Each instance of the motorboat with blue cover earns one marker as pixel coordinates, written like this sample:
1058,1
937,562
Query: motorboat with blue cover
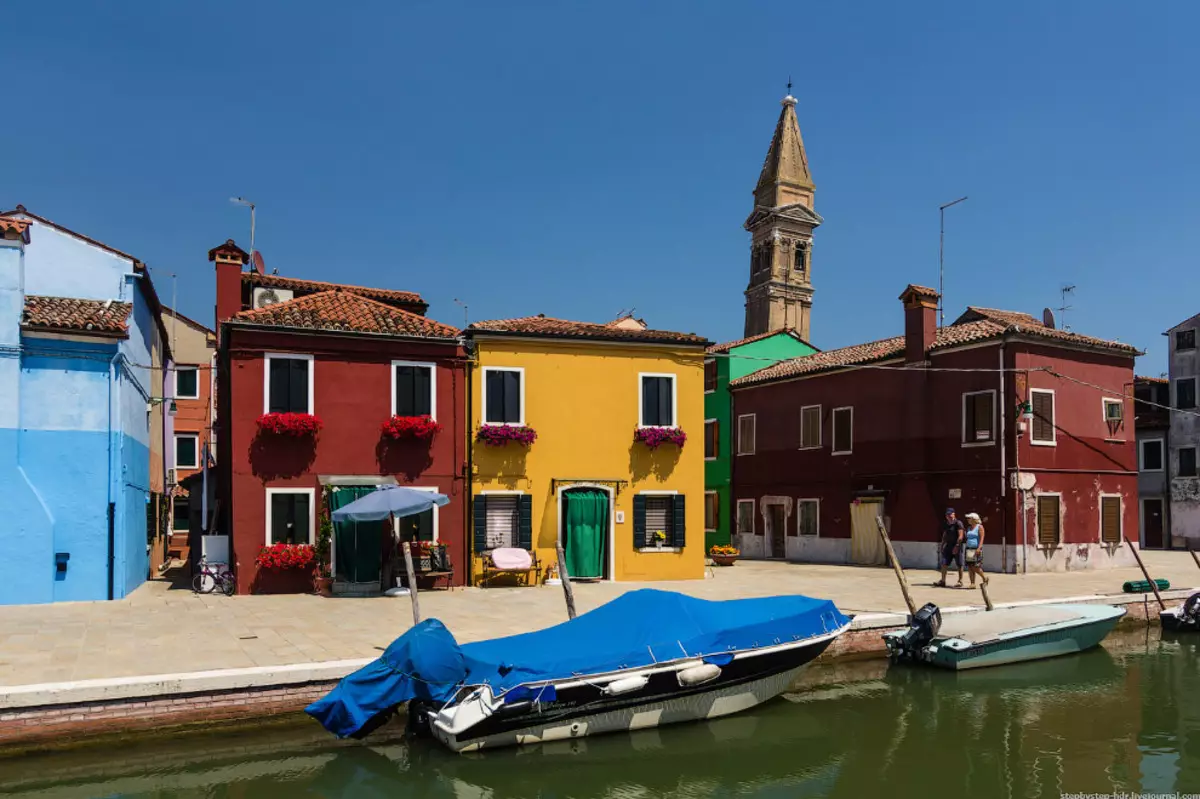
645,659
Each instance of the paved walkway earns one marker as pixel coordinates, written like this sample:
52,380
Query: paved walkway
163,630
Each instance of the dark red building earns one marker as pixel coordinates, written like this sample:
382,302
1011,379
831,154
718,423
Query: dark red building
993,414
352,358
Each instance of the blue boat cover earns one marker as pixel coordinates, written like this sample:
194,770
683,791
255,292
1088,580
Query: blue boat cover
638,629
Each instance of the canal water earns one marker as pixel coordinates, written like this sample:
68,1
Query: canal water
1122,719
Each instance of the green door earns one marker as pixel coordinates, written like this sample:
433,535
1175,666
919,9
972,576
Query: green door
585,532
357,546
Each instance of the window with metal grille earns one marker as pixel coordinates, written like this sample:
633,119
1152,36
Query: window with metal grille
745,444
745,516
1043,416
1110,520
1185,392
843,431
808,517
712,446
810,427
979,417
659,519
1185,339
288,385
710,375
711,508
1049,527
414,390
502,520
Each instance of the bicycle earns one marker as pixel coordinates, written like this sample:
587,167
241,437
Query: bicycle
213,576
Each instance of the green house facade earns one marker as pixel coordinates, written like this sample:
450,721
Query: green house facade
728,362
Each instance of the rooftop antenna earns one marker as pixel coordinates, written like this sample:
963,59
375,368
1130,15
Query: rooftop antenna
250,205
457,301
1065,291
942,259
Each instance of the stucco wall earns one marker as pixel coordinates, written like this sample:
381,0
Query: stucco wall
1185,432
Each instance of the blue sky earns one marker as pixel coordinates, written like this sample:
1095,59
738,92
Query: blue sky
579,159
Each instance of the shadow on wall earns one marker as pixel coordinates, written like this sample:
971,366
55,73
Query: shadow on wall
659,462
505,464
273,456
408,457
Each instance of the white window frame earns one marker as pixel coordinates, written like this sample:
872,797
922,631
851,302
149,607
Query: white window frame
753,417
820,432
186,501
970,442
800,501
1162,454
432,367
1105,402
718,443
833,430
717,519
195,449
707,361
483,394
436,509
1037,533
648,550
1100,515
1177,459
312,511
271,356
738,515
188,368
503,492
674,401
1053,442
1175,393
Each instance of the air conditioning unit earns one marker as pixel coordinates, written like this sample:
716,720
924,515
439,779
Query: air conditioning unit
264,297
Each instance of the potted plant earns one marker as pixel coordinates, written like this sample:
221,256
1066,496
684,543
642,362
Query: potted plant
497,435
421,428
298,425
724,555
323,579
655,437
660,538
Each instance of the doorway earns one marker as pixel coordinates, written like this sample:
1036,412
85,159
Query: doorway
866,548
776,529
1152,523
585,514
357,546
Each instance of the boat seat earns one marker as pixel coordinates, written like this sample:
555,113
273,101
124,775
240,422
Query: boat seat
984,626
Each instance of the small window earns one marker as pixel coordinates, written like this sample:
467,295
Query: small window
712,447
1043,416
181,515
711,509
503,396
979,417
503,522
187,454
1185,339
412,389
187,382
1185,392
658,401
843,431
289,384
745,516
290,518
1152,455
1049,532
745,443
710,376
801,262
1187,462
417,527
810,427
1114,410
808,517
1110,520
660,521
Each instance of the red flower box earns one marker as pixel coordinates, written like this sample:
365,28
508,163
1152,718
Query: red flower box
286,556
289,424
497,435
421,427
654,437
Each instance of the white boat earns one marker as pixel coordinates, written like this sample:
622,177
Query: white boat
1183,618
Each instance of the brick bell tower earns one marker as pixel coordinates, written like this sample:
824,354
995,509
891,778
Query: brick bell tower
781,226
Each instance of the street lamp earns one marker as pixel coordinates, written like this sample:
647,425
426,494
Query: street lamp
172,408
941,259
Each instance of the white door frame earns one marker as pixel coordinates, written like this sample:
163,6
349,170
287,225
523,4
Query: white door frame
560,522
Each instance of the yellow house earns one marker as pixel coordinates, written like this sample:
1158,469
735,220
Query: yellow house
623,509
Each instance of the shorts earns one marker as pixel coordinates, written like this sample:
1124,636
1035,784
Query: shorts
977,560
950,557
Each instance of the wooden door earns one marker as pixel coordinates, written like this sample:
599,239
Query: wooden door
866,548
778,526
1152,523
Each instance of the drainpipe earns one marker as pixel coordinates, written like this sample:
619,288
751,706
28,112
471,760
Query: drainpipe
112,508
468,518
1003,444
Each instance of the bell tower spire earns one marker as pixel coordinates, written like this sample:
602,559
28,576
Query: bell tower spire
781,225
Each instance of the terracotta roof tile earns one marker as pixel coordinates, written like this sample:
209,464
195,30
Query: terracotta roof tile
66,314
1147,379
1034,327
729,345
345,311
562,328
920,291
18,226
387,296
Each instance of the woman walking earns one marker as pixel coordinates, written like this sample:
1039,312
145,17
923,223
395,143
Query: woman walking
973,540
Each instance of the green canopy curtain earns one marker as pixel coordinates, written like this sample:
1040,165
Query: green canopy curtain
586,535
356,545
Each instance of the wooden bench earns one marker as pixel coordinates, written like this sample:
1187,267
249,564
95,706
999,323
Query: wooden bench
492,571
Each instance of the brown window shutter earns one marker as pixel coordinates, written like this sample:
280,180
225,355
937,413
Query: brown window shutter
841,430
810,427
1110,520
1048,521
1043,416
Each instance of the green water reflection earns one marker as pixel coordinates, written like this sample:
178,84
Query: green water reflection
1121,719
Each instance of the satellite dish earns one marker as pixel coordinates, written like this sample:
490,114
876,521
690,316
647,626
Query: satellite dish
258,264
1048,318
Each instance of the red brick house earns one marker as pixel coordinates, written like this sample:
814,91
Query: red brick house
352,357
1029,426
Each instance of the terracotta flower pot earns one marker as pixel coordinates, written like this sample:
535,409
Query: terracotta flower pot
324,585
724,560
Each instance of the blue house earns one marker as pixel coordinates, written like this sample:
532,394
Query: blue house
83,425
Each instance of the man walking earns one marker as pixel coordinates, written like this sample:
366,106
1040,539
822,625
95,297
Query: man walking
951,547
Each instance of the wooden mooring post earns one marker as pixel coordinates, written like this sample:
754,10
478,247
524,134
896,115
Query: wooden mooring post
1192,550
568,592
887,544
412,583
1153,585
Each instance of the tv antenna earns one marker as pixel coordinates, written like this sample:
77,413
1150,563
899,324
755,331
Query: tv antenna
250,205
457,301
1066,291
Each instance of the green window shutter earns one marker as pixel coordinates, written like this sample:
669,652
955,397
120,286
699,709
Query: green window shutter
525,523
479,507
678,519
639,521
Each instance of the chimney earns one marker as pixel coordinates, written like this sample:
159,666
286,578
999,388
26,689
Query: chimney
920,322
229,259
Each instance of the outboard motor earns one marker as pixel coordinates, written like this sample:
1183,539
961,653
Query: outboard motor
1185,617
922,627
